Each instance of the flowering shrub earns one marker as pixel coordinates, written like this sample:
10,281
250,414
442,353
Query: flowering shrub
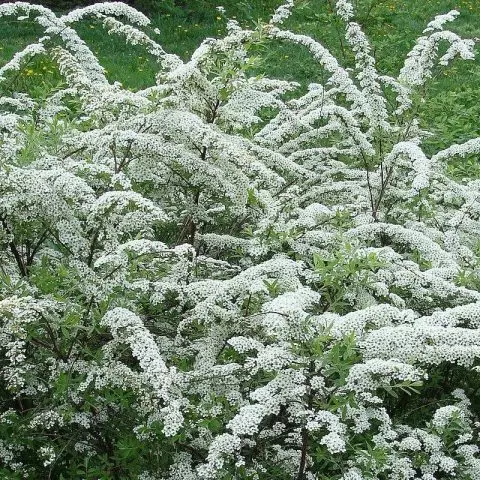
226,276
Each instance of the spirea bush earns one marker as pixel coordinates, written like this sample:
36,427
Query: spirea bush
226,276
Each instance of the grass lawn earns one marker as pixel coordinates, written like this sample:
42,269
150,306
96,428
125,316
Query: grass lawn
452,109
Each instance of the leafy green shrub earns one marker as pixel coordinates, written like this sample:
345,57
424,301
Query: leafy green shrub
224,276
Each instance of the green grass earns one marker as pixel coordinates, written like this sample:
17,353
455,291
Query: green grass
392,25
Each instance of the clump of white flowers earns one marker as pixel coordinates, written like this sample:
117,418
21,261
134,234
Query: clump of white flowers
193,290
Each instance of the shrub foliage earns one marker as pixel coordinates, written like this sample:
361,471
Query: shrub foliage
226,276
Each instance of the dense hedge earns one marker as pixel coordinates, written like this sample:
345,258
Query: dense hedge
228,276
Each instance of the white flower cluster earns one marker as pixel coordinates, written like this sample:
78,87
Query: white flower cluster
334,440
376,373
420,61
282,12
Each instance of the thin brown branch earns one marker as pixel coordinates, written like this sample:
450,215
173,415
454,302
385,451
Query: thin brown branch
13,248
